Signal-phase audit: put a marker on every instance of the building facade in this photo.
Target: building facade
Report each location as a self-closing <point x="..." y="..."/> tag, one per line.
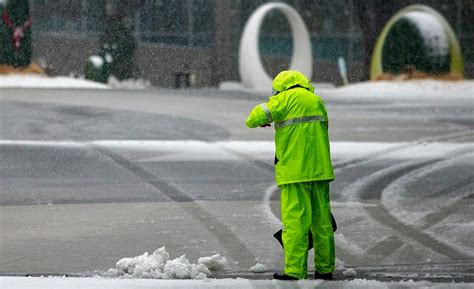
<point x="201" y="37"/>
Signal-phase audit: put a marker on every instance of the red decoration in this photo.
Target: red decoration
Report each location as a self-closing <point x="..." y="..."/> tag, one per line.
<point x="18" y="32"/>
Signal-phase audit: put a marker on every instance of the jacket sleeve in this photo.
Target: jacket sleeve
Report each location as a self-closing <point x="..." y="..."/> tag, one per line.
<point x="258" y="116"/>
<point x="265" y="113"/>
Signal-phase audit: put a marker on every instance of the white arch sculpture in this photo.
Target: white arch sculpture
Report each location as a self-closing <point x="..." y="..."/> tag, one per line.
<point x="252" y="72"/>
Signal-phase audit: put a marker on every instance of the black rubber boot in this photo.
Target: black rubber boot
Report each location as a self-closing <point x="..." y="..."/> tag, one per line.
<point x="283" y="276"/>
<point x="325" y="276"/>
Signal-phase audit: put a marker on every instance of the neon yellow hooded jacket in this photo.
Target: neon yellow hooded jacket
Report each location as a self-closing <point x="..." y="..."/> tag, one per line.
<point x="301" y="130"/>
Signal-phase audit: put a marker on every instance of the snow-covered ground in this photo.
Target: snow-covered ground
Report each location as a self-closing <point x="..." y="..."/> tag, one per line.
<point x="395" y="198"/>
<point x="159" y="265"/>
<point x="416" y="90"/>
<point x="63" y="82"/>
<point x="40" y="81"/>
<point x="239" y="283"/>
<point x="408" y="90"/>
<point x="411" y="90"/>
<point x="200" y="150"/>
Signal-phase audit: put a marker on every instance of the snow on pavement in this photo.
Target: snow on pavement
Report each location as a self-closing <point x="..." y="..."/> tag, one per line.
<point x="100" y="283"/>
<point x="190" y="150"/>
<point x="159" y="266"/>
<point x="65" y="82"/>
<point x="404" y="201"/>
<point x="410" y="90"/>
<point x="41" y="81"/>
<point x="412" y="208"/>
<point x="258" y="268"/>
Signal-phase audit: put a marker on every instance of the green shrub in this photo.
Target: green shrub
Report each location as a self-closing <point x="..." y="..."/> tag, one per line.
<point x="408" y="48"/>
<point x="98" y="68"/>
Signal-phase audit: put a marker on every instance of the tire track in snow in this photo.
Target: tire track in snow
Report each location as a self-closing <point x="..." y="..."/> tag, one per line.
<point x="455" y="187"/>
<point x="457" y="200"/>
<point x="372" y="186"/>
<point x="339" y="166"/>
<point x="369" y="157"/>
<point x="368" y="188"/>
<point x="231" y="243"/>
<point x="437" y="216"/>
<point x="381" y="215"/>
<point x="376" y="212"/>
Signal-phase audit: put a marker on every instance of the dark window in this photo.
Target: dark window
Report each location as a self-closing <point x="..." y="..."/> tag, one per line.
<point x="177" y="22"/>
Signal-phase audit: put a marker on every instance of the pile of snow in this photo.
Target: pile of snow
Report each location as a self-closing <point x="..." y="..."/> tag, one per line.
<point x="42" y="81"/>
<point x="258" y="268"/>
<point x="214" y="263"/>
<point x="97" y="61"/>
<point x="159" y="266"/>
<point x="349" y="272"/>
<point x="410" y="90"/>
<point x="128" y="83"/>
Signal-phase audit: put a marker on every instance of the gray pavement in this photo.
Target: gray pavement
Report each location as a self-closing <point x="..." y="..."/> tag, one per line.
<point x="71" y="204"/>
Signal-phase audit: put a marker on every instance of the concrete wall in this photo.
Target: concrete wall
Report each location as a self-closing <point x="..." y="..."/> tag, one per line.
<point x="62" y="55"/>
<point x="161" y="64"/>
<point x="158" y="63"/>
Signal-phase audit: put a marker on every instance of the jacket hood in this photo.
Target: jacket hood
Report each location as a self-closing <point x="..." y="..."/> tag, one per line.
<point x="290" y="78"/>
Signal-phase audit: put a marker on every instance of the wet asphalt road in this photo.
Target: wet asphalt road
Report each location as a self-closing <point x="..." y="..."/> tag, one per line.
<point x="71" y="203"/>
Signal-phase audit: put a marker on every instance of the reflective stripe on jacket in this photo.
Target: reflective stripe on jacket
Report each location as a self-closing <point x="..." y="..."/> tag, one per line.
<point x="301" y="130"/>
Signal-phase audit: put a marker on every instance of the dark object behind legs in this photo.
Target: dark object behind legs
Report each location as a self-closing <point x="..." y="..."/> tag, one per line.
<point x="278" y="234"/>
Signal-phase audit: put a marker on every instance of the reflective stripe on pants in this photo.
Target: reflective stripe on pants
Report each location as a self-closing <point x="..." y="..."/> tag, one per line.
<point x="306" y="206"/>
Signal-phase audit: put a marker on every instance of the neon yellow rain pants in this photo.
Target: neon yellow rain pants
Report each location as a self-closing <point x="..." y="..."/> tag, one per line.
<point x="305" y="206"/>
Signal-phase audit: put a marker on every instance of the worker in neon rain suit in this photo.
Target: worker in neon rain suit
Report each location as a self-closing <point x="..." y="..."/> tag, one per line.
<point x="303" y="171"/>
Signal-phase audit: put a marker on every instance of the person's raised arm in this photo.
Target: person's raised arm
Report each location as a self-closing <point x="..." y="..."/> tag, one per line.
<point x="259" y="116"/>
<point x="264" y="113"/>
